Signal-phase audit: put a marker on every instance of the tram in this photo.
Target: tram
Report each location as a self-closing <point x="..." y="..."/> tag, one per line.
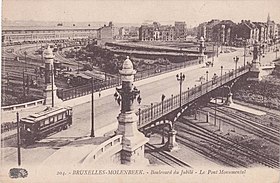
<point x="39" y="125"/>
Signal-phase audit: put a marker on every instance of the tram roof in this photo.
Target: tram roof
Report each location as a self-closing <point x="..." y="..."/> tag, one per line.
<point x="44" y="114"/>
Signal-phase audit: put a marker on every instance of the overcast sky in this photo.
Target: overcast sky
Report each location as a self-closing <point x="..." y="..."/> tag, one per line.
<point x="138" y="11"/>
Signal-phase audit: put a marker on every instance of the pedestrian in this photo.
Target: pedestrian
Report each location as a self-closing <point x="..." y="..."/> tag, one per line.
<point x="119" y="100"/>
<point x="68" y="82"/>
<point x="99" y="94"/>
<point x="162" y="97"/>
<point x="116" y="95"/>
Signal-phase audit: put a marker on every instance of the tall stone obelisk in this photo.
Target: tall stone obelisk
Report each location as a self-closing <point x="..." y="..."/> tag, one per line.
<point x="201" y="57"/>
<point x="50" y="90"/>
<point x="255" y="71"/>
<point x="133" y="140"/>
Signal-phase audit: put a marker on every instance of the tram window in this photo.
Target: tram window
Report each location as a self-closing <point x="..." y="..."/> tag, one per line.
<point x="60" y="116"/>
<point x="47" y="121"/>
<point x="42" y="123"/>
<point x="51" y="119"/>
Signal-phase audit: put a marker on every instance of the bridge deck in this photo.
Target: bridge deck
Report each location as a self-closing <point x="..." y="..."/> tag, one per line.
<point x="154" y="112"/>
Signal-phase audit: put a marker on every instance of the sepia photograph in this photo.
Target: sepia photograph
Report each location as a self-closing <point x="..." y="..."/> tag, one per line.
<point x="140" y="91"/>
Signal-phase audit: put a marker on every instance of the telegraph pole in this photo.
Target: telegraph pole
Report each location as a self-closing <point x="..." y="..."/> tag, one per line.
<point x="244" y="54"/>
<point x="52" y="81"/>
<point x="92" y="108"/>
<point x="18" y="140"/>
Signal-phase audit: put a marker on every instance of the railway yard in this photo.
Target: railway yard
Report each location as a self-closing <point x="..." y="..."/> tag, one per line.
<point x="233" y="138"/>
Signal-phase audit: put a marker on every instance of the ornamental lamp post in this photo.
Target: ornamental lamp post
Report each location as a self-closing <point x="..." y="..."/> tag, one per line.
<point x="236" y="58"/>
<point x="221" y="72"/>
<point x="162" y="99"/>
<point x="222" y="83"/>
<point x="18" y="139"/>
<point x="244" y="53"/>
<point x="133" y="141"/>
<point x="180" y="78"/>
<point x="92" y="108"/>
<point x="213" y="54"/>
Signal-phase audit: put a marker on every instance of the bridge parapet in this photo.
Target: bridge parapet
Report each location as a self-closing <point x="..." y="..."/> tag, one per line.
<point x="156" y="111"/>
<point x="105" y="150"/>
<point x="23" y="105"/>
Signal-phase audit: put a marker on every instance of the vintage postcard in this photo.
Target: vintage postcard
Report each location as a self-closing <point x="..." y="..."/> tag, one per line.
<point x="140" y="91"/>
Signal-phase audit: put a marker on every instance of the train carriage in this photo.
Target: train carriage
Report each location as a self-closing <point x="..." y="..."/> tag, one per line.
<point x="39" y="125"/>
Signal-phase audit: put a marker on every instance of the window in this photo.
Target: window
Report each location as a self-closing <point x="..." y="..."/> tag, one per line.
<point x="47" y="122"/>
<point x="51" y="119"/>
<point x="42" y="123"/>
<point x="59" y="116"/>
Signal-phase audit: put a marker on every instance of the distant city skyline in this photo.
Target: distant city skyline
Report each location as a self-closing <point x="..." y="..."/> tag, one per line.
<point x="138" y="12"/>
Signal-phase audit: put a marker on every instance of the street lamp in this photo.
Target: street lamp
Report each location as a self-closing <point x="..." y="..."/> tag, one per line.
<point x="221" y="72"/>
<point x="24" y="69"/>
<point x="18" y="140"/>
<point x="92" y="108"/>
<point x="217" y="49"/>
<point x="162" y="99"/>
<point x="213" y="54"/>
<point x="244" y="53"/>
<point x="52" y="82"/>
<point x="236" y="58"/>
<point x="276" y="50"/>
<point x="222" y="83"/>
<point x="180" y="78"/>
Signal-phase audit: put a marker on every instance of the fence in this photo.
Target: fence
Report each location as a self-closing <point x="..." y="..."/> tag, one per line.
<point x="155" y="111"/>
<point x="67" y="94"/>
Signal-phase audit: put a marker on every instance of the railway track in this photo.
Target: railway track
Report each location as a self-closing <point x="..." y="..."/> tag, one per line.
<point x="165" y="157"/>
<point x="219" y="145"/>
<point x="212" y="153"/>
<point x="276" y="116"/>
<point x="247" y="125"/>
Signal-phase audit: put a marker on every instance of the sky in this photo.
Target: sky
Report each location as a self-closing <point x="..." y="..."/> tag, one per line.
<point x="138" y="11"/>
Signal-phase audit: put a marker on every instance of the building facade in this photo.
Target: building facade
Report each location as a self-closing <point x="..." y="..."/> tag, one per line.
<point x="205" y="30"/>
<point x="180" y="30"/>
<point x="18" y="35"/>
<point x="158" y="32"/>
<point x="272" y="31"/>
<point x="247" y="32"/>
<point x="223" y="32"/>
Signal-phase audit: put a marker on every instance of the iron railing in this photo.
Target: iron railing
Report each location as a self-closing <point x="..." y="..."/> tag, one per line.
<point x="155" y="111"/>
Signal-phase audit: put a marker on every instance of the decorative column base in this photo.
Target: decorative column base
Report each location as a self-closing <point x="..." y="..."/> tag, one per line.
<point x="172" y="144"/>
<point x="133" y="140"/>
<point x="255" y="72"/>
<point x="48" y="96"/>
<point x="229" y="99"/>
<point x="202" y="59"/>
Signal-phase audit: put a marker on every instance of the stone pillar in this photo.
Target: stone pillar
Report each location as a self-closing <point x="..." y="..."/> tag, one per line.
<point x="201" y="56"/>
<point x="50" y="89"/>
<point x="171" y="143"/>
<point x="229" y="99"/>
<point x="133" y="141"/>
<point x="254" y="74"/>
